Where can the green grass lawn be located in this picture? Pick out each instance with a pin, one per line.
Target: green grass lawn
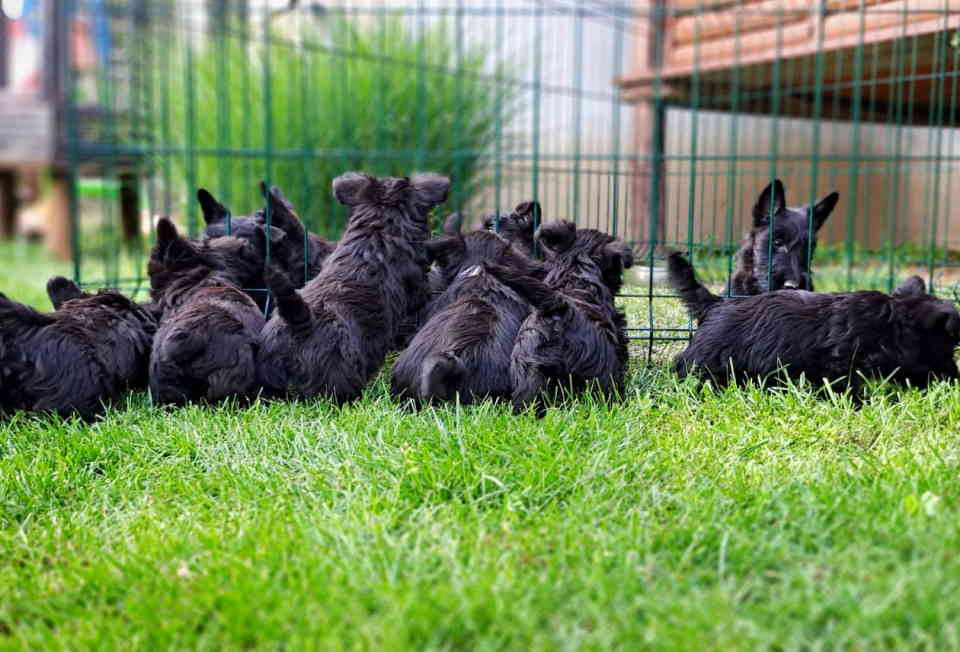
(682, 519)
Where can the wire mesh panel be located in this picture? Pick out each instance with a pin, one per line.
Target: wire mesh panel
(660, 122)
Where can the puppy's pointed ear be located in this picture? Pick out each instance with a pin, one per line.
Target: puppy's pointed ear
(353, 188)
(430, 189)
(912, 287)
(60, 290)
(529, 209)
(453, 223)
(445, 250)
(619, 253)
(823, 208)
(277, 238)
(282, 213)
(557, 237)
(942, 317)
(213, 211)
(170, 246)
(772, 201)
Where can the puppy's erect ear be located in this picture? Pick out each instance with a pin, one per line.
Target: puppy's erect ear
(912, 287)
(353, 188)
(619, 251)
(529, 209)
(823, 208)
(277, 238)
(213, 211)
(60, 290)
(445, 249)
(942, 317)
(170, 246)
(453, 223)
(282, 214)
(771, 201)
(430, 189)
(557, 236)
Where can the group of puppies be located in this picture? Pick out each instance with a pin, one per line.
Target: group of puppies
(260, 307)
(784, 329)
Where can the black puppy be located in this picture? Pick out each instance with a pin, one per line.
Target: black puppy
(909, 336)
(576, 337)
(517, 226)
(205, 348)
(775, 254)
(76, 359)
(464, 348)
(300, 254)
(333, 336)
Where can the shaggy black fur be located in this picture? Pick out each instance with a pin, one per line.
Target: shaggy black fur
(909, 336)
(464, 348)
(76, 359)
(300, 254)
(792, 246)
(517, 226)
(333, 336)
(205, 348)
(576, 337)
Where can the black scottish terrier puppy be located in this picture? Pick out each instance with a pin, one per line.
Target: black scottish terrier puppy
(575, 338)
(908, 336)
(77, 359)
(331, 338)
(205, 347)
(776, 253)
(464, 347)
(517, 226)
(300, 255)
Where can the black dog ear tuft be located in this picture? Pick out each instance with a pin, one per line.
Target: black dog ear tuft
(557, 236)
(442, 250)
(771, 201)
(277, 236)
(213, 211)
(619, 251)
(430, 189)
(353, 188)
(453, 223)
(912, 287)
(529, 209)
(942, 317)
(60, 290)
(823, 208)
(166, 231)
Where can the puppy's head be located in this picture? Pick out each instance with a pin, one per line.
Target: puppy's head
(402, 201)
(783, 239)
(563, 240)
(517, 226)
(171, 252)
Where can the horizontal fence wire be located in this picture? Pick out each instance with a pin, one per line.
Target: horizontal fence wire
(658, 121)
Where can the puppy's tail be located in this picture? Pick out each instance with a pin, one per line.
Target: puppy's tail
(697, 299)
(441, 376)
(290, 305)
(540, 295)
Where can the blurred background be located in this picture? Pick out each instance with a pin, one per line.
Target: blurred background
(657, 120)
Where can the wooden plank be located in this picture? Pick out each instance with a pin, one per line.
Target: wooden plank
(646, 76)
(760, 41)
(888, 14)
(747, 17)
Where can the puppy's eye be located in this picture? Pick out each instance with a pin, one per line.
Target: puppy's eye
(778, 243)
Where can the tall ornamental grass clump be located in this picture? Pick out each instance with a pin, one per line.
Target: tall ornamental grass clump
(377, 95)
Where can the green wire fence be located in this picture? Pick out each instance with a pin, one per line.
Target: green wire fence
(658, 121)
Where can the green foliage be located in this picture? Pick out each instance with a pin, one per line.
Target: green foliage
(378, 96)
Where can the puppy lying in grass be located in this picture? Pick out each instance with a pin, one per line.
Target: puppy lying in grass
(908, 336)
(85, 354)
(464, 347)
(205, 348)
(575, 338)
(332, 337)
